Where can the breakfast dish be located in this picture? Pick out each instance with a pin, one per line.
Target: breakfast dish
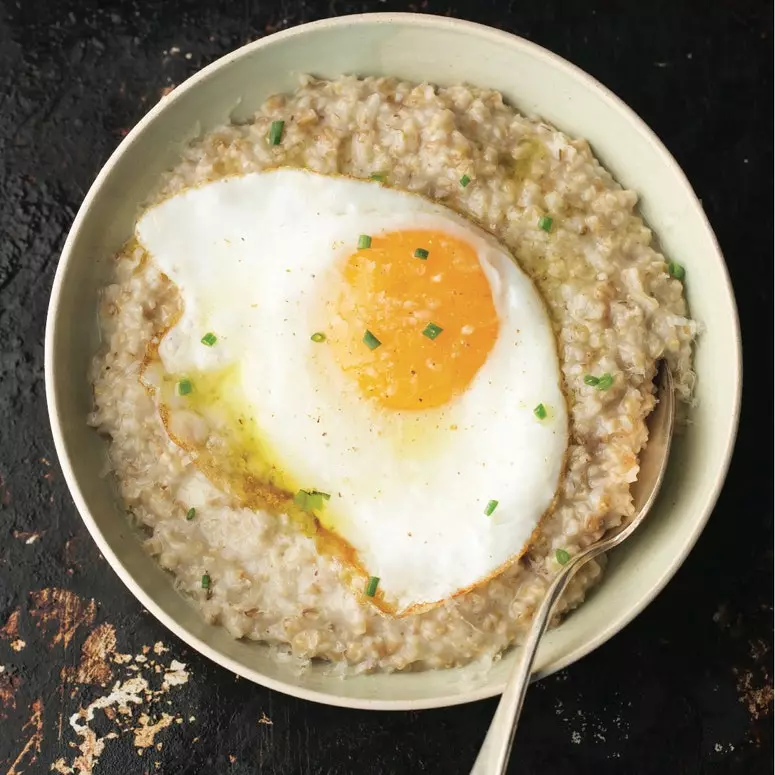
(377, 363)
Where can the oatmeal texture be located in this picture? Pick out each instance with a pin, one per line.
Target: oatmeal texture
(614, 306)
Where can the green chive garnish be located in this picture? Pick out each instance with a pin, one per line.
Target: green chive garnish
(316, 498)
(431, 331)
(676, 270)
(371, 587)
(302, 498)
(206, 581)
(318, 337)
(364, 241)
(421, 253)
(562, 556)
(310, 500)
(371, 341)
(540, 412)
(276, 132)
(191, 513)
(490, 507)
(314, 501)
(380, 177)
(605, 382)
(465, 180)
(545, 223)
(209, 339)
(184, 387)
(602, 382)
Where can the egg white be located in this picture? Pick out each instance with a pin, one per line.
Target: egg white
(256, 260)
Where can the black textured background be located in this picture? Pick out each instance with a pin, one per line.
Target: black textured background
(687, 688)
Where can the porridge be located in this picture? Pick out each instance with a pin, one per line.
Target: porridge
(615, 307)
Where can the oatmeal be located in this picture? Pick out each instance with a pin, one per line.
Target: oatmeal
(615, 306)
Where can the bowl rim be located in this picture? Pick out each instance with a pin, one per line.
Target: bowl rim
(51, 365)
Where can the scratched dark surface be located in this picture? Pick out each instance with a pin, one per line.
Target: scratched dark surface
(687, 688)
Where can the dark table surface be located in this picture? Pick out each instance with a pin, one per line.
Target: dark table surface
(686, 688)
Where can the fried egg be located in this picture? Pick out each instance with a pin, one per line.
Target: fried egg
(366, 356)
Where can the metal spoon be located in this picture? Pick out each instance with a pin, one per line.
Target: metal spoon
(494, 753)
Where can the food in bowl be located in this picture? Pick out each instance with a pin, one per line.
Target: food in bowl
(377, 363)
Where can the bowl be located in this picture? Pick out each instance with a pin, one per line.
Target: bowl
(441, 51)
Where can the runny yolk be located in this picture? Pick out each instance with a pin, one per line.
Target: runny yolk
(394, 294)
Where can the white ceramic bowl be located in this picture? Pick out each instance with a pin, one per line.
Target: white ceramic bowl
(441, 51)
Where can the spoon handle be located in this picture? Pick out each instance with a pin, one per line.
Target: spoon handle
(494, 754)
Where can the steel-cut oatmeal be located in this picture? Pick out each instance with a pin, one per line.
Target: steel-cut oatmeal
(616, 304)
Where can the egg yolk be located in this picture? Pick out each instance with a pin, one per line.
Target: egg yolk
(415, 319)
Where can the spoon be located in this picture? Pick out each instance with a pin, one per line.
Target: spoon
(494, 754)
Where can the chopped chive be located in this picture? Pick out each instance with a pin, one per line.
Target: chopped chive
(540, 412)
(371, 587)
(602, 382)
(432, 331)
(209, 339)
(191, 513)
(676, 270)
(302, 499)
(371, 341)
(276, 132)
(545, 223)
(421, 253)
(562, 556)
(314, 501)
(605, 382)
(364, 241)
(316, 498)
(310, 500)
(380, 177)
(465, 180)
(318, 337)
(185, 387)
(490, 507)
(206, 581)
